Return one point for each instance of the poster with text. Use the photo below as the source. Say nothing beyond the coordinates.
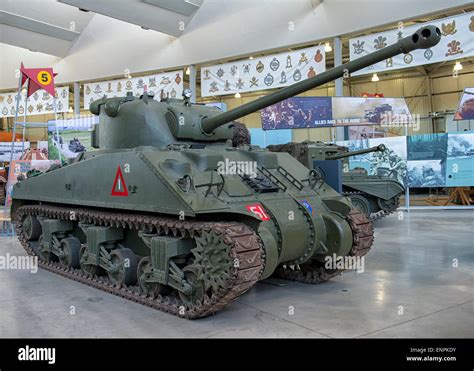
(74, 137)
(460, 161)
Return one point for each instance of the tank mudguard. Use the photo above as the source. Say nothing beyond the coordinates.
(381, 188)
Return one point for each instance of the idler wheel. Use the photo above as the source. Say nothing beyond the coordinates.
(71, 249)
(361, 203)
(388, 205)
(124, 267)
(149, 288)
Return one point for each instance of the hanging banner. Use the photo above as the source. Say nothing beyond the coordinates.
(39, 103)
(273, 71)
(313, 112)
(170, 83)
(457, 41)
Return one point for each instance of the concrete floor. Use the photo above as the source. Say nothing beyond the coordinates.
(409, 269)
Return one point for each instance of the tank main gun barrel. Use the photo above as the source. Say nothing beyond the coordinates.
(379, 148)
(424, 38)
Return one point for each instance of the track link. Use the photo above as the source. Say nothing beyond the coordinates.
(245, 246)
(363, 238)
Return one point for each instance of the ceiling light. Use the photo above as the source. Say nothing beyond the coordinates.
(70, 110)
(375, 78)
(327, 47)
(457, 66)
(237, 95)
(251, 57)
(188, 71)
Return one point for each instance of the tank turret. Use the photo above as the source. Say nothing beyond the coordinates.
(131, 122)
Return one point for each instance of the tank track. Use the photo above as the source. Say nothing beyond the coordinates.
(377, 215)
(363, 238)
(243, 241)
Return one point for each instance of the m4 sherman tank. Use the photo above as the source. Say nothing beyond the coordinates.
(375, 195)
(76, 146)
(169, 214)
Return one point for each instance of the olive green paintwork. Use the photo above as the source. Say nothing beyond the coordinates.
(168, 154)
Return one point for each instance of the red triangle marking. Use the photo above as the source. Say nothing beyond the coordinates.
(120, 182)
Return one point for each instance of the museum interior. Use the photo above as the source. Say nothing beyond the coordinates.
(236, 169)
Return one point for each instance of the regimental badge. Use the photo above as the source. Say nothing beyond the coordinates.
(173, 93)
(36, 95)
(12, 111)
(318, 57)
(9, 99)
(268, 80)
(213, 88)
(428, 53)
(297, 75)
(30, 109)
(226, 85)
(39, 107)
(119, 87)
(408, 58)
(140, 84)
(60, 106)
(21, 110)
(246, 68)
(454, 47)
(64, 94)
(311, 72)
(380, 42)
(254, 81)
(303, 59)
(97, 89)
(260, 67)
(88, 90)
(448, 28)
(152, 82)
(274, 64)
(177, 79)
(206, 74)
(288, 62)
(45, 95)
(359, 47)
(399, 35)
(233, 70)
(165, 80)
(49, 107)
(56, 93)
(239, 84)
(128, 85)
(5, 111)
(109, 88)
(1, 98)
(220, 72)
(471, 25)
(283, 77)
(389, 62)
